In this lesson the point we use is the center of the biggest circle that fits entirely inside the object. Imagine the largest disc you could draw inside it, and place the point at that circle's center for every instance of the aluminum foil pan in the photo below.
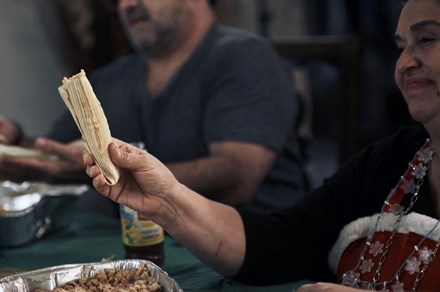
(57, 276)
(31, 209)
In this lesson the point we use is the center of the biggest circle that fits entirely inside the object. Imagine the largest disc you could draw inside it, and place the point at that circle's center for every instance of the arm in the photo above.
(212, 231)
(68, 165)
(248, 112)
(63, 130)
(231, 174)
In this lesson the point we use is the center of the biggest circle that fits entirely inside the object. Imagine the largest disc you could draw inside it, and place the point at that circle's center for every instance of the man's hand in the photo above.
(10, 133)
(68, 167)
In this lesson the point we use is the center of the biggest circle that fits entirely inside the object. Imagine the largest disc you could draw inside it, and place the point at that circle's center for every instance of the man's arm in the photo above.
(67, 166)
(231, 173)
(249, 111)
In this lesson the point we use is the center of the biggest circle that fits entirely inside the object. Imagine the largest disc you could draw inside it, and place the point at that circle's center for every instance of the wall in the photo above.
(286, 17)
(31, 66)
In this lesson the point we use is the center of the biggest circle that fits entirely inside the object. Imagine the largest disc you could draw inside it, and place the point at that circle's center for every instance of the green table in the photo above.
(92, 238)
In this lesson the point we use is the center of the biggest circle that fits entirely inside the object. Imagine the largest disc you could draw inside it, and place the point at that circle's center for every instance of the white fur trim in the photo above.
(411, 223)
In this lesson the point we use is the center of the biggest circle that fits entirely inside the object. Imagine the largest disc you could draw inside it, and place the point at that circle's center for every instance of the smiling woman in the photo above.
(417, 71)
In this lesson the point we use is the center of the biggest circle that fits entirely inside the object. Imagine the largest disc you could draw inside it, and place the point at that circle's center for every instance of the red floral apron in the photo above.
(396, 250)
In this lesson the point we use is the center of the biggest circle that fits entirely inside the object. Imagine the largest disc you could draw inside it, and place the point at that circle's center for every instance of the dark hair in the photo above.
(401, 3)
(212, 2)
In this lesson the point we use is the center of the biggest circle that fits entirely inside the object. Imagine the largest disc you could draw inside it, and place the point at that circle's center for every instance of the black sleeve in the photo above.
(296, 241)
(294, 244)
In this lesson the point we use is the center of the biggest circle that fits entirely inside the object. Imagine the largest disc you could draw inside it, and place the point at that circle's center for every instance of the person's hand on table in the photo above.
(327, 287)
(10, 133)
(68, 164)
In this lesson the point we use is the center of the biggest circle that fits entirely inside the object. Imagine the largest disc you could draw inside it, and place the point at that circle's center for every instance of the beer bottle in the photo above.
(142, 239)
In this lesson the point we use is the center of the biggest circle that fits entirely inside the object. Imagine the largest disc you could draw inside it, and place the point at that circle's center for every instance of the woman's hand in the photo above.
(327, 287)
(145, 184)
(213, 232)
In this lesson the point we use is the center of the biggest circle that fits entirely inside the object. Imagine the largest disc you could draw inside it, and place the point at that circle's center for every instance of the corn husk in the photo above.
(77, 93)
(18, 151)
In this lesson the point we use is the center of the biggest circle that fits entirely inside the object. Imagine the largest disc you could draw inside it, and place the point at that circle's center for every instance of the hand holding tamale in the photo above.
(86, 110)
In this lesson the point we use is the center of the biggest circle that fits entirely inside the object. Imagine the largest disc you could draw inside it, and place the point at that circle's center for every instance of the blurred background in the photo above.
(340, 54)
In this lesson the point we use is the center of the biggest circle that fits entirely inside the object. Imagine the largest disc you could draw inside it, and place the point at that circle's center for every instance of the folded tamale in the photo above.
(78, 95)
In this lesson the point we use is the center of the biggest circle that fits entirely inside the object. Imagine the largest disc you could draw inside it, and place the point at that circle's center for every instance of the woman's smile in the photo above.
(417, 86)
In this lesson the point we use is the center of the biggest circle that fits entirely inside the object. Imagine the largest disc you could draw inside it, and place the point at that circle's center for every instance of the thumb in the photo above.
(124, 159)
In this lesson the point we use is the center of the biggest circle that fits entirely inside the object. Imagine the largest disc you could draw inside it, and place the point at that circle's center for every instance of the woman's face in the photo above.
(417, 72)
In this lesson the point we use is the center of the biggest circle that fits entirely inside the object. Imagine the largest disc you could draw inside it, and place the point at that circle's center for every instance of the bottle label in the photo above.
(136, 232)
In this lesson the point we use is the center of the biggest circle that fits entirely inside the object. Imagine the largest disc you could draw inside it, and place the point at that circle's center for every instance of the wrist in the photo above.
(174, 208)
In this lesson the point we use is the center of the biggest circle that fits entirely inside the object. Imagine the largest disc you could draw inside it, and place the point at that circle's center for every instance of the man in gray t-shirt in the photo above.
(213, 103)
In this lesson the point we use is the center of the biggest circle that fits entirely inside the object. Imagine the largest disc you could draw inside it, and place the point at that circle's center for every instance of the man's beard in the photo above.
(159, 42)
(156, 41)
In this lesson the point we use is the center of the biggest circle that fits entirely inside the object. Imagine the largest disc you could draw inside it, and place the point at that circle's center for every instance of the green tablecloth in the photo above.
(92, 238)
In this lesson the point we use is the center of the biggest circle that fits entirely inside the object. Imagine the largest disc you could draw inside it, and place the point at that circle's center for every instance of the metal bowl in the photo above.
(53, 277)
(31, 209)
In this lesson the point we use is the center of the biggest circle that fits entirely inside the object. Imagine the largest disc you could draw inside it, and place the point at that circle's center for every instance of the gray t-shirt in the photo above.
(233, 88)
